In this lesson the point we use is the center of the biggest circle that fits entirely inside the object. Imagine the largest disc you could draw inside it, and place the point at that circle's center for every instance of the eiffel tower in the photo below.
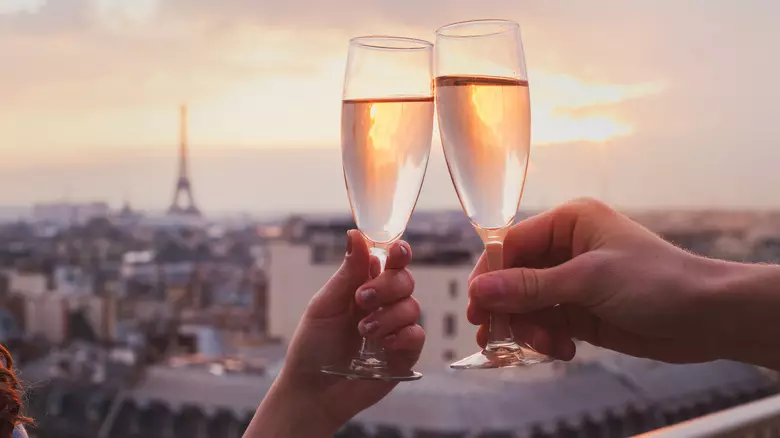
(183, 202)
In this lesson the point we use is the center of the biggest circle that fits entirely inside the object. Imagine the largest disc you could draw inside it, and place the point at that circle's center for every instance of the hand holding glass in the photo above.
(386, 134)
(485, 120)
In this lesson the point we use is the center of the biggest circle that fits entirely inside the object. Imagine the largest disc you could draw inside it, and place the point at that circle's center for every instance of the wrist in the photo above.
(741, 305)
(287, 411)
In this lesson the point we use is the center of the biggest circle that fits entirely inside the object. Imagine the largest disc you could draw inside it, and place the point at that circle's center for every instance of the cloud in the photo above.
(8, 7)
(77, 53)
(49, 18)
(689, 83)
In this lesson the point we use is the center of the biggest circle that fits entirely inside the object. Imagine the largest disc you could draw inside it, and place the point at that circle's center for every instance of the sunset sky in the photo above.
(646, 104)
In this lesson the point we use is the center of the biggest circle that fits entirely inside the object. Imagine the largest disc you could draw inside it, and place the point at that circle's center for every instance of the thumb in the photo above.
(522, 290)
(339, 292)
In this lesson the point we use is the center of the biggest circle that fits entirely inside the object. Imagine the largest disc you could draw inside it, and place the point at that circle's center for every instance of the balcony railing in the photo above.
(758, 419)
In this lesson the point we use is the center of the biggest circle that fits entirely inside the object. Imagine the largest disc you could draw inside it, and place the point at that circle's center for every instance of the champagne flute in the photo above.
(386, 135)
(485, 123)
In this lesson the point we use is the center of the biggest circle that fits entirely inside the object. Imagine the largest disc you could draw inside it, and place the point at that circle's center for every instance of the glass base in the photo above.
(505, 355)
(371, 369)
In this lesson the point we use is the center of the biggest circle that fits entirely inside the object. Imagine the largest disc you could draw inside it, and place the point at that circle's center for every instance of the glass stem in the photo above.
(371, 351)
(499, 331)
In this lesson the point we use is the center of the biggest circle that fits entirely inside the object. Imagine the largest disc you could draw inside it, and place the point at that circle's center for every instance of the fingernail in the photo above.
(349, 243)
(404, 250)
(490, 286)
(369, 327)
(367, 296)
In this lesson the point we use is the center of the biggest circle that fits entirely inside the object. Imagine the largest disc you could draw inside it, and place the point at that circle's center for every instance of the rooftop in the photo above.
(459, 403)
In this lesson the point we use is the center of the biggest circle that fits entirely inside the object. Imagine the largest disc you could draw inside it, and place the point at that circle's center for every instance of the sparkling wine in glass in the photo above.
(485, 122)
(386, 134)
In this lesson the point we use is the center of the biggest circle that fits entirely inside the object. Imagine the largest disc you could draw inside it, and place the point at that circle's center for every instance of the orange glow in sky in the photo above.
(565, 109)
(90, 89)
(284, 91)
(282, 111)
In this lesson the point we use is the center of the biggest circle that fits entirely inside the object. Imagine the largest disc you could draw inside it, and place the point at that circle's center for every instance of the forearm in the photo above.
(287, 413)
(744, 304)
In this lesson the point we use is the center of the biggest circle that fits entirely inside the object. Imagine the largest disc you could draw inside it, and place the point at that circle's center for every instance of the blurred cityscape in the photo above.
(128, 325)
(126, 322)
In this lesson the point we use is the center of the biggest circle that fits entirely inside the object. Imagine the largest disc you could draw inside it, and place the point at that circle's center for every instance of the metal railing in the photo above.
(758, 419)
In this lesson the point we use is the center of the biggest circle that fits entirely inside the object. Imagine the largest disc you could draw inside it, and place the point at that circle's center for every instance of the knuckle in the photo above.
(594, 274)
(407, 249)
(404, 312)
(581, 202)
(414, 333)
(594, 207)
(584, 206)
(418, 333)
(343, 273)
(404, 337)
(529, 281)
(414, 306)
(406, 309)
(599, 265)
(406, 281)
(599, 268)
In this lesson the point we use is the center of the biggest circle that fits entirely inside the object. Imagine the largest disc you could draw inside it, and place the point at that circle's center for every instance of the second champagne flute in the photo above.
(386, 134)
(485, 122)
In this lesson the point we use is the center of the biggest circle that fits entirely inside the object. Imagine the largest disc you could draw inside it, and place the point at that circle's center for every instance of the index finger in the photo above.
(526, 245)
(399, 255)
(479, 269)
(550, 238)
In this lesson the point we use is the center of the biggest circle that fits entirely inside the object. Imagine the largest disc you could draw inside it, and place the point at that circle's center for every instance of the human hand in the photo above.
(584, 271)
(330, 332)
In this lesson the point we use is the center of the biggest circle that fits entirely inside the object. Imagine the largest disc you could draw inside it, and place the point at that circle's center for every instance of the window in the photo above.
(449, 325)
(448, 355)
(453, 289)
(318, 254)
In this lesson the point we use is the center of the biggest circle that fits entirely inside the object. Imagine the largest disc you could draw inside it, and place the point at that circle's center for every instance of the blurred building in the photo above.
(189, 284)
(66, 214)
(297, 271)
(170, 332)
(61, 304)
(595, 400)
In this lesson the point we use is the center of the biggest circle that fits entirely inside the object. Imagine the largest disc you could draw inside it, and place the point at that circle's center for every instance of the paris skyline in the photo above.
(678, 111)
